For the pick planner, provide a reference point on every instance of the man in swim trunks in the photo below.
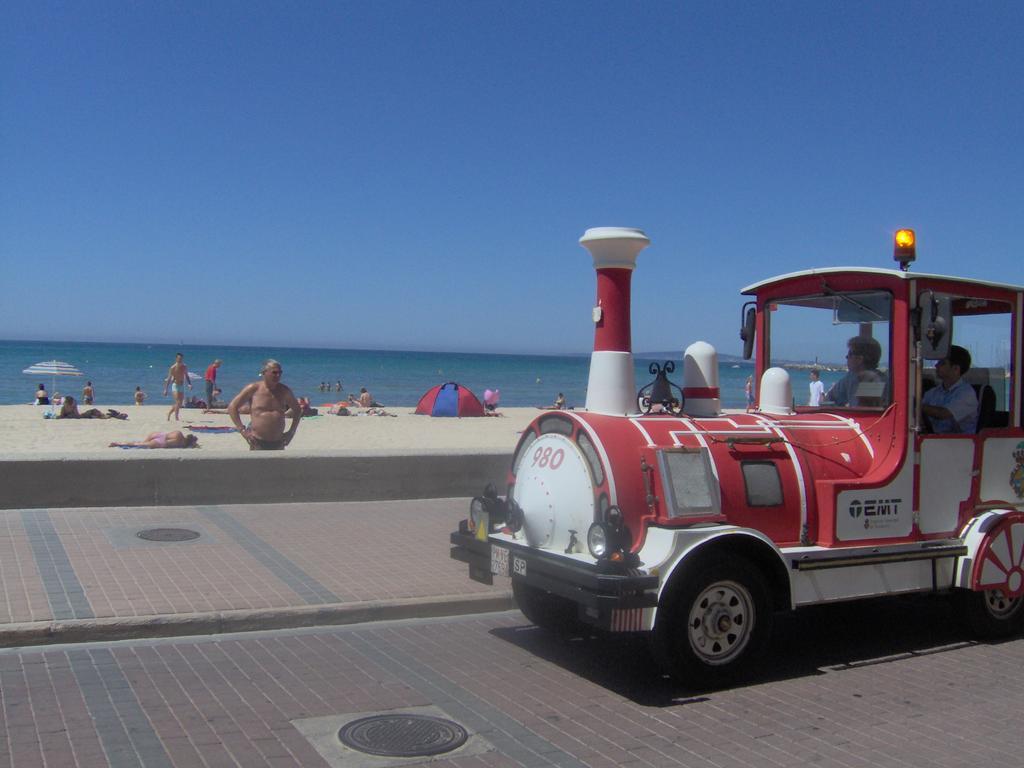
(210, 379)
(177, 377)
(268, 400)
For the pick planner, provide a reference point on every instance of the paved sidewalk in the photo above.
(71, 575)
(893, 685)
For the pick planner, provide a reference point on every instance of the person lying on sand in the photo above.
(173, 439)
(243, 409)
(69, 410)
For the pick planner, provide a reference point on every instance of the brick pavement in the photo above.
(888, 683)
(82, 574)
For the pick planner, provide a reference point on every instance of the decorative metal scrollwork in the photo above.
(661, 395)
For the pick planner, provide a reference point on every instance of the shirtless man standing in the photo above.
(268, 400)
(177, 377)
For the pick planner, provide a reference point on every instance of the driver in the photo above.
(862, 356)
(951, 406)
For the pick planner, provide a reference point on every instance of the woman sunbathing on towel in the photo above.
(243, 409)
(173, 439)
(69, 410)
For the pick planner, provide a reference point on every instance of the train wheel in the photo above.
(554, 613)
(990, 614)
(713, 621)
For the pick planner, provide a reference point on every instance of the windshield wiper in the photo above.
(860, 305)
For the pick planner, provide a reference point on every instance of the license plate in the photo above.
(499, 560)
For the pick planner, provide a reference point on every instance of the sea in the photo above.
(394, 378)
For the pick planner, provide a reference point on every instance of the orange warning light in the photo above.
(905, 250)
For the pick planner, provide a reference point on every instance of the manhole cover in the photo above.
(168, 534)
(403, 735)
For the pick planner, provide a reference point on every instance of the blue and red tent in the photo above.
(449, 399)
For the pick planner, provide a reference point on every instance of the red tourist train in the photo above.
(655, 510)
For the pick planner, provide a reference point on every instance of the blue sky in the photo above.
(416, 175)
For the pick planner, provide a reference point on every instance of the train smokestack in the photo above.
(611, 387)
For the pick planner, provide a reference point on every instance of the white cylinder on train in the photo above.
(776, 393)
(700, 380)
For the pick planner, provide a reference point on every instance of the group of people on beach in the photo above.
(267, 402)
(43, 397)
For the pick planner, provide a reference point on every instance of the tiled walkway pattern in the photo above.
(89, 563)
(231, 700)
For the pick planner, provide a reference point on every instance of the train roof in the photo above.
(893, 273)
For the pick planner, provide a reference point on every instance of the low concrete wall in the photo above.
(187, 478)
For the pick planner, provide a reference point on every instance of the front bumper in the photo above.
(611, 601)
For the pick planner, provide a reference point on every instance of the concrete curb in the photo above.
(218, 622)
(259, 478)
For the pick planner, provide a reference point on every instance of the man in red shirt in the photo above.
(211, 379)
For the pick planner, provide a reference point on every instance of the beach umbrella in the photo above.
(53, 369)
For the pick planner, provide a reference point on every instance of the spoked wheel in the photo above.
(552, 612)
(713, 621)
(996, 609)
(990, 614)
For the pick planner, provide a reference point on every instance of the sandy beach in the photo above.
(24, 431)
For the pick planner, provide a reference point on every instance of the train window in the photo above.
(690, 485)
(984, 327)
(764, 488)
(587, 446)
(845, 337)
(558, 424)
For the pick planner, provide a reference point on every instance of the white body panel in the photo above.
(837, 584)
(999, 468)
(946, 472)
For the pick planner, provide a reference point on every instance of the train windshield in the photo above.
(835, 346)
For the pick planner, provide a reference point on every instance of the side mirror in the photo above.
(935, 325)
(747, 331)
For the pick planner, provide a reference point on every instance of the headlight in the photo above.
(597, 540)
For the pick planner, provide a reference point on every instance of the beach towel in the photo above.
(212, 430)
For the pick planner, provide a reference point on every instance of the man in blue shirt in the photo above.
(951, 405)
